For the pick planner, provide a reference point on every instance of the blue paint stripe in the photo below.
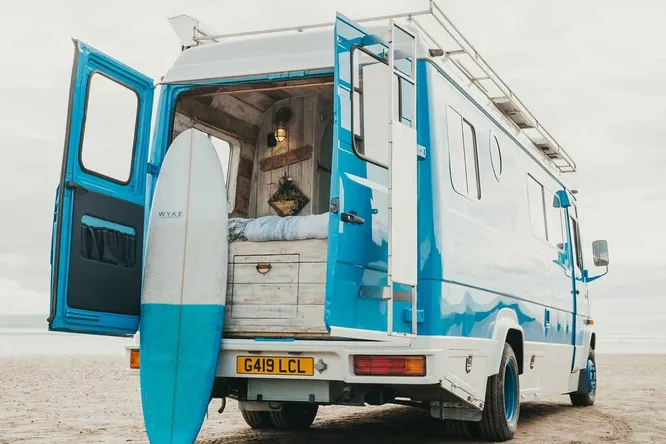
(474, 287)
(92, 221)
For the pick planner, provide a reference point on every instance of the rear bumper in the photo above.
(335, 359)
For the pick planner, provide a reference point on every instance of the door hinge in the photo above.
(153, 169)
(334, 205)
(420, 152)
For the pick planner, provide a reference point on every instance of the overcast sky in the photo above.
(593, 72)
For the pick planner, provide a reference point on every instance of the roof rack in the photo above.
(456, 53)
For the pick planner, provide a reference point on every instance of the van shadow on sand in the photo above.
(403, 424)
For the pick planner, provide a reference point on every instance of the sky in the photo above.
(592, 71)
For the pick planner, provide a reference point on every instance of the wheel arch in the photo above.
(506, 329)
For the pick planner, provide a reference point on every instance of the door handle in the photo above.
(352, 218)
(75, 186)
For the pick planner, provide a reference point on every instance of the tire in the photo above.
(257, 419)
(502, 405)
(587, 384)
(464, 429)
(294, 416)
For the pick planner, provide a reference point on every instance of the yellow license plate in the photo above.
(273, 365)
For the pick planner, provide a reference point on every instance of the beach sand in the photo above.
(87, 399)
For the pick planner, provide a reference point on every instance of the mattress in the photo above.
(275, 228)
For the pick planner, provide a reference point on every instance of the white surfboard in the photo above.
(184, 288)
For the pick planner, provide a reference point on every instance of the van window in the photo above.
(463, 155)
(228, 152)
(575, 233)
(370, 105)
(496, 156)
(535, 199)
(109, 128)
(554, 220)
(223, 149)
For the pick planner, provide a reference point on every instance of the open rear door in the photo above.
(97, 245)
(373, 185)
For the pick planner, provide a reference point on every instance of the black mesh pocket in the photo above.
(108, 246)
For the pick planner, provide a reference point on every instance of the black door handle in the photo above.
(351, 218)
(75, 186)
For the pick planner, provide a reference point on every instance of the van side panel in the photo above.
(478, 257)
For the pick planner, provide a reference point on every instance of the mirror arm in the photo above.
(594, 278)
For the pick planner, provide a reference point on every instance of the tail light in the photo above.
(389, 365)
(135, 360)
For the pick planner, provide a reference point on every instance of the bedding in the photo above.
(276, 228)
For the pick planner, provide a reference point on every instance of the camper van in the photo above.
(432, 254)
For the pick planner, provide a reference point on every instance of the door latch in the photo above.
(73, 185)
(352, 218)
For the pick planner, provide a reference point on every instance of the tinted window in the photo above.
(471, 160)
(456, 151)
(463, 155)
(575, 232)
(496, 156)
(537, 209)
(109, 128)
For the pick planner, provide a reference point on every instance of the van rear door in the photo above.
(98, 230)
(374, 153)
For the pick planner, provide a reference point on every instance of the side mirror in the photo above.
(600, 253)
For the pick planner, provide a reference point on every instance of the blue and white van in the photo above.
(441, 263)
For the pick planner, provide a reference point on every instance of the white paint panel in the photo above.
(186, 253)
(403, 261)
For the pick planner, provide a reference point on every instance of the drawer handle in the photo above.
(264, 268)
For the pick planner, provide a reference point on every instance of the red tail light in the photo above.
(389, 365)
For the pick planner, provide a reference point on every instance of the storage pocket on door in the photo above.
(265, 287)
(108, 242)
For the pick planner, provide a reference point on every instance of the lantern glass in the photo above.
(280, 133)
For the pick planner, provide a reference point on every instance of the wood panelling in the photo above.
(248, 117)
(302, 131)
(219, 119)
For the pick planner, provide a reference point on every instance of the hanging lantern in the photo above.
(282, 118)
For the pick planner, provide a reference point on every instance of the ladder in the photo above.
(451, 51)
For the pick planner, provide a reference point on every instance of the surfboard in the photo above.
(184, 288)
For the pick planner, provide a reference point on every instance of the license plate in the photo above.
(273, 365)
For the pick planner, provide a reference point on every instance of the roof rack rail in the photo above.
(456, 52)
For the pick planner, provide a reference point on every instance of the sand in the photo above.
(61, 399)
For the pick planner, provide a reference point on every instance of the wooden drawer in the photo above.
(277, 269)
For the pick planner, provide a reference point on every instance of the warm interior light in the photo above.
(282, 118)
(280, 134)
(134, 358)
(389, 365)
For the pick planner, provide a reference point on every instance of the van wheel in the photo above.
(258, 419)
(294, 416)
(502, 405)
(587, 384)
(463, 429)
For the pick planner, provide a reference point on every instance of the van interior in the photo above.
(274, 140)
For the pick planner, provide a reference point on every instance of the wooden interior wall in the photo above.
(248, 118)
(309, 116)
